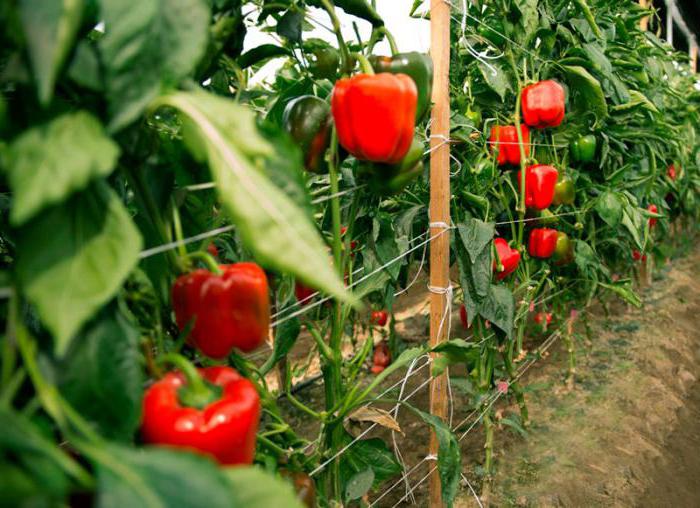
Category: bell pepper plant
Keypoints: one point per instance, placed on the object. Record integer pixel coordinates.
(213, 410)
(543, 242)
(375, 115)
(540, 184)
(508, 259)
(583, 148)
(225, 310)
(543, 104)
(504, 140)
(308, 121)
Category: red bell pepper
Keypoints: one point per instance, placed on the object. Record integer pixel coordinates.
(375, 115)
(213, 250)
(463, 316)
(230, 310)
(379, 317)
(653, 220)
(671, 172)
(542, 317)
(638, 256)
(540, 182)
(381, 358)
(509, 258)
(543, 241)
(543, 104)
(504, 138)
(303, 293)
(224, 427)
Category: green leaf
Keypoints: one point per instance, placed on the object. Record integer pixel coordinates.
(449, 456)
(101, 375)
(278, 233)
(261, 53)
(24, 439)
(149, 46)
(48, 163)
(499, 308)
(360, 8)
(586, 91)
(529, 19)
(157, 478)
(624, 291)
(74, 257)
(453, 352)
(254, 488)
(290, 25)
(476, 235)
(368, 454)
(609, 207)
(286, 335)
(496, 78)
(49, 29)
(586, 258)
(633, 221)
(359, 485)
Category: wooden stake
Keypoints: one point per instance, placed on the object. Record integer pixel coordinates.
(644, 22)
(439, 212)
(694, 57)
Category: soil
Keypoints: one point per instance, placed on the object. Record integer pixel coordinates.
(626, 433)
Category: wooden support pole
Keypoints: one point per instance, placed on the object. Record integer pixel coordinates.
(644, 22)
(694, 56)
(439, 212)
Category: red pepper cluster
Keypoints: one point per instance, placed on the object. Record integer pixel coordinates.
(381, 358)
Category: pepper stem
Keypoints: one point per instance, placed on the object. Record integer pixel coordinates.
(390, 39)
(364, 64)
(197, 392)
(208, 260)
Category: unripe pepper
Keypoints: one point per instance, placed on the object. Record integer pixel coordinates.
(223, 427)
(418, 66)
(379, 317)
(564, 192)
(543, 241)
(543, 104)
(308, 121)
(509, 259)
(504, 138)
(564, 250)
(583, 148)
(230, 310)
(375, 115)
(540, 181)
(653, 220)
(389, 179)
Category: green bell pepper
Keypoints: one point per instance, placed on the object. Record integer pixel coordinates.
(564, 192)
(388, 179)
(326, 59)
(418, 66)
(583, 149)
(564, 250)
(307, 119)
(360, 8)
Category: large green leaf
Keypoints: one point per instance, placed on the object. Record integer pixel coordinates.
(586, 91)
(157, 478)
(449, 456)
(24, 439)
(74, 257)
(528, 19)
(495, 77)
(254, 488)
(46, 164)
(609, 207)
(102, 377)
(149, 46)
(277, 232)
(368, 454)
(49, 29)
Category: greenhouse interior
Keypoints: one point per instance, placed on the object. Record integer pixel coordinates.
(349, 253)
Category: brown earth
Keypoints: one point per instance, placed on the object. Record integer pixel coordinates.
(628, 434)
